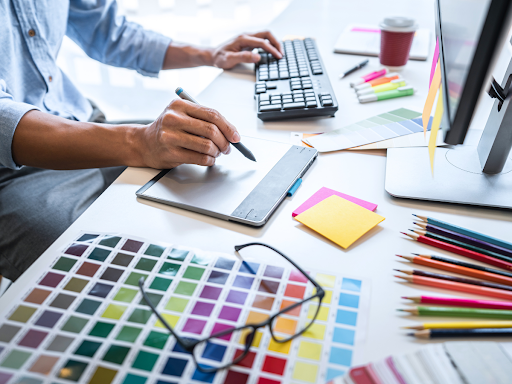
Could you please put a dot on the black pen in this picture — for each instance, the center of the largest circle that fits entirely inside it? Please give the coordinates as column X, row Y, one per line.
column 242, row 148
column 358, row 66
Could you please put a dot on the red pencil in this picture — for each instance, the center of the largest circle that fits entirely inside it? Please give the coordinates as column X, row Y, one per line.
column 456, row 302
column 460, row 251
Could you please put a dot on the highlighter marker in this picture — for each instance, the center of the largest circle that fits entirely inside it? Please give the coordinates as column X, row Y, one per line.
column 369, row 77
column 399, row 92
column 393, row 84
column 379, row 81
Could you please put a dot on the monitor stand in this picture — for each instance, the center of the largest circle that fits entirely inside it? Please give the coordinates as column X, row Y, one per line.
column 475, row 175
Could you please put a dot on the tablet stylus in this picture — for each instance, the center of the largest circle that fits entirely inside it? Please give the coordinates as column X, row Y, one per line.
column 242, row 148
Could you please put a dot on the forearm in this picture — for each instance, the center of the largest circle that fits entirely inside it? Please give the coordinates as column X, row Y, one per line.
column 180, row 55
column 46, row 141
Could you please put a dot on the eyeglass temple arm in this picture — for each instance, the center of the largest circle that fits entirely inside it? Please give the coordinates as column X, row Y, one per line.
column 184, row 343
column 318, row 287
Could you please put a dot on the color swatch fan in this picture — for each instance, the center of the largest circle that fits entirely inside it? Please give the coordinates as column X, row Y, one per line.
column 84, row 320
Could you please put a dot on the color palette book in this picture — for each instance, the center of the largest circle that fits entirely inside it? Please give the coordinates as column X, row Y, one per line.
column 393, row 124
column 84, row 319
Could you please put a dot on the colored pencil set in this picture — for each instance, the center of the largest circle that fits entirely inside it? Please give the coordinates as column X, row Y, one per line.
column 476, row 279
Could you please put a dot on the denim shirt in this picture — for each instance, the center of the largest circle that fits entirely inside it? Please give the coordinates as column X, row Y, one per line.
column 31, row 33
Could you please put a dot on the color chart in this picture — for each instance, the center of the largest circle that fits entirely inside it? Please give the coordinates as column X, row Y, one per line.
column 385, row 126
column 84, row 319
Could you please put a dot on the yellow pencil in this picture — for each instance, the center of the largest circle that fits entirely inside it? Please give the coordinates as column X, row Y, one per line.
column 463, row 325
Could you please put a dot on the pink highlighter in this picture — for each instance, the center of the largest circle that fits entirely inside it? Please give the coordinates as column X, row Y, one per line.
column 369, row 77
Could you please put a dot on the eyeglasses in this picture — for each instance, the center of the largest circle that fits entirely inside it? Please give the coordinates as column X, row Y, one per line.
column 212, row 348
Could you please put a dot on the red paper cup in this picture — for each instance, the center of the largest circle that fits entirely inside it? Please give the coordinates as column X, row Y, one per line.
column 397, row 34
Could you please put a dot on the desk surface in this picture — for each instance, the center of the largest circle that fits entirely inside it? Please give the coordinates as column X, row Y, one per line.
column 359, row 174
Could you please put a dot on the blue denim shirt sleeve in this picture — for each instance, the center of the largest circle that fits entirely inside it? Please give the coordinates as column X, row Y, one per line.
column 11, row 113
column 111, row 39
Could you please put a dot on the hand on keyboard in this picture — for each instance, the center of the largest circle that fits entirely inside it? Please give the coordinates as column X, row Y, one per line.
column 238, row 50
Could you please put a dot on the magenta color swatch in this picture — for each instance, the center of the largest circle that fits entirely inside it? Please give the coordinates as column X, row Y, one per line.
column 33, row 338
column 323, row 193
column 194, row 326
column 273, row 271
column 210, row 292
column 51, row 279
column 243, row 282
column 203, row 309
column 132, row 246
column 230, row 313
column 219, row 327
column 298, row 276
column 76, row 249
column 48, row 319
column 4, row 377
column 237, row 297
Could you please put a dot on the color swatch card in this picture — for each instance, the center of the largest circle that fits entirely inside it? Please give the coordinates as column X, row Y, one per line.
column 340, row 220
column 84, row 320
column 323, row 193
column 385, row 126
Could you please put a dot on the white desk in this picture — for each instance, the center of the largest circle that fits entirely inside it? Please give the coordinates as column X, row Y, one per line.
column 359, row 174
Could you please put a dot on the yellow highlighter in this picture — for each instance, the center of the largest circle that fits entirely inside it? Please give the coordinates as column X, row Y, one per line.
column 392, row 85
column 463, row 325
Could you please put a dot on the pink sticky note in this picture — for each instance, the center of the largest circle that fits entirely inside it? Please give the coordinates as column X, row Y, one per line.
column 434, row 61
column 323, row 193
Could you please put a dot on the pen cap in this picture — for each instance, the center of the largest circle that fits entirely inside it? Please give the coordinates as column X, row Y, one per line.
column 396, row 38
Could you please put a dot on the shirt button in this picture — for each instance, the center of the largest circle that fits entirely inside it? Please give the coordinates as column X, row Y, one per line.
column 31, row 33
column 50, row 79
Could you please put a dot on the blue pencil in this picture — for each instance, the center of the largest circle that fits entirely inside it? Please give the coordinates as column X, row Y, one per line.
column 467, row 232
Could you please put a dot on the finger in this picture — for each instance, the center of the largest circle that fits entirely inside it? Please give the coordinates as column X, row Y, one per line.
column 199, row 145
column 246, row 41
column 213, row 141
column 233, row 58
column 187, row 156
column 212, row 116
column 270, row 37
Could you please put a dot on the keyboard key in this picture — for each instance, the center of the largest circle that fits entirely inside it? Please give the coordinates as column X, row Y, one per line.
column 298, row 99
column 265, row 97
column 304, row 73
column 287, row 101
column 260, row 90
column 311, row 104
column 327, row 103
column 287, row 95
column 307, row 86
column 296, row 87
column 297, row 91
column 268, row 108
column 317, row 72
column 309, row 98
column 263, row 77
column 271, row 85
column 284, row 75
column 294, row 105
column 263, row 102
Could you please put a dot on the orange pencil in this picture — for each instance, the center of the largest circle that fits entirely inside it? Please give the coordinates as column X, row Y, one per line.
column 461, row 287
column 458, row 269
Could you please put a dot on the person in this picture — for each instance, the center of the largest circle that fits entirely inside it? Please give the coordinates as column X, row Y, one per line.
column 56, row 155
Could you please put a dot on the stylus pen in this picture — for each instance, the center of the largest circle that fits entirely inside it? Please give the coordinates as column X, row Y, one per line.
column 242, row 148
column 351, row 70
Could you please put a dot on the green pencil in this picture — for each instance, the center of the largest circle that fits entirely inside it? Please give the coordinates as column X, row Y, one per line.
column 460, row 312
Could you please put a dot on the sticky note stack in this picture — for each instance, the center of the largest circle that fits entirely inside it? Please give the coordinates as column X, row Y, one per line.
column 341, row 218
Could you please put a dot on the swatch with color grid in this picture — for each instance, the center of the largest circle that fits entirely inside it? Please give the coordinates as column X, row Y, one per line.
column 84, row 319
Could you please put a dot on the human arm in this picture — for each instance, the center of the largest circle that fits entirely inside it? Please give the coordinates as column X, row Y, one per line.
column 235, row 51
column 183, row 133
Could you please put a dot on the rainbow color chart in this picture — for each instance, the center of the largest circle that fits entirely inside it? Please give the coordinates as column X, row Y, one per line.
column 84, row 319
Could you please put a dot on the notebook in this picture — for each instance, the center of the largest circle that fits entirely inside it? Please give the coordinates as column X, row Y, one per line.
column 361, row 39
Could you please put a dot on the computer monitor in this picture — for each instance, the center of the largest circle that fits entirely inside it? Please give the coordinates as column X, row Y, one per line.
column 471, row 35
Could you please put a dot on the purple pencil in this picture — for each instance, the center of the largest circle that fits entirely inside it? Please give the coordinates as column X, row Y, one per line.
column 465, row 239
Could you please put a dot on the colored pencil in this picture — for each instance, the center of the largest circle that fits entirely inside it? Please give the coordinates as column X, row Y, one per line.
column 462, row 325
column 463, row 238
column 462, row 245
column 461, row 287
column 460, row 251
column 467, row 232
column 465, row 264
column 460, row 312
column 442, row 333
column 457, row 302
column 458, row 269
column 418, row 272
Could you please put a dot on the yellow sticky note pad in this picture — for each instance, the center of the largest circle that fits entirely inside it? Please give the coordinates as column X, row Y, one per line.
column 340, row 220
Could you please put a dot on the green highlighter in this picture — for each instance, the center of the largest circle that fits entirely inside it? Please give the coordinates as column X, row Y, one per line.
column 391, row 86
column 399, row 92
